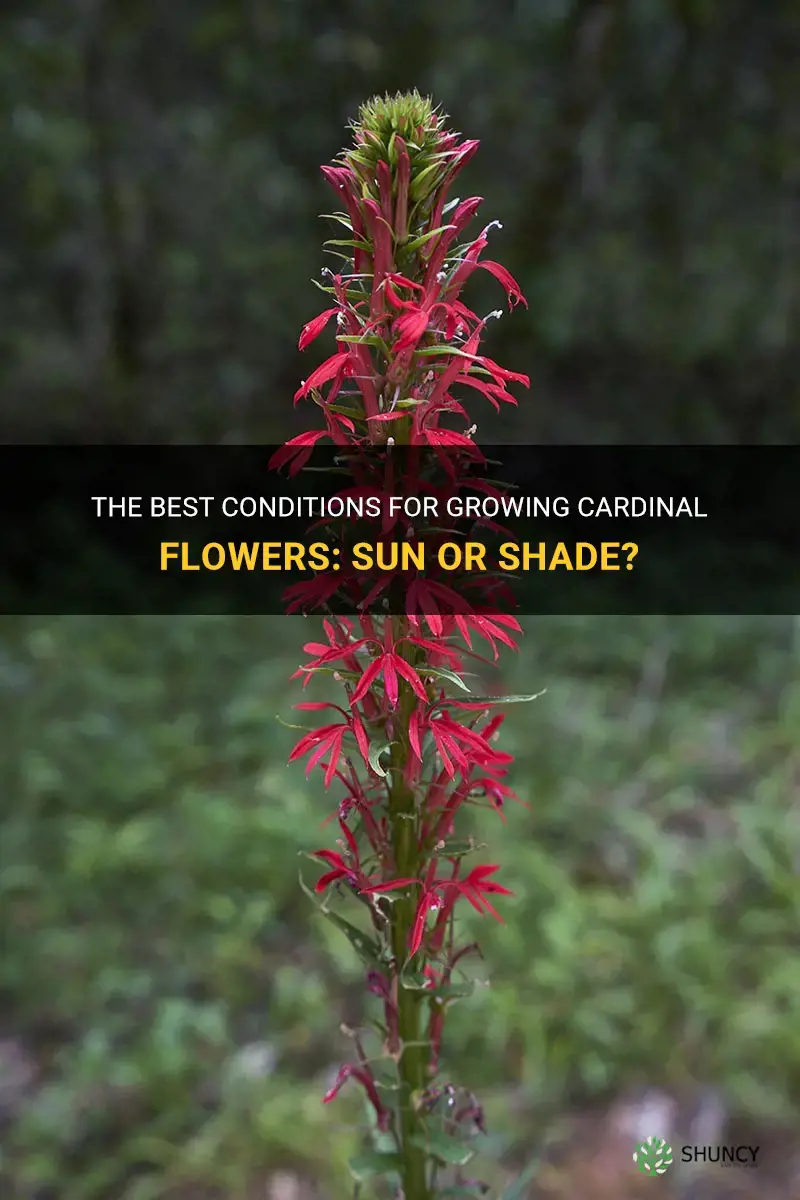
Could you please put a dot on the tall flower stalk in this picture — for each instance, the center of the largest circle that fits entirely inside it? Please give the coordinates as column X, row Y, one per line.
column 408, row 747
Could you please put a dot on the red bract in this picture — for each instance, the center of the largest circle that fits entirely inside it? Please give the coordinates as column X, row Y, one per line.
column 410, row 748
column 367, row 1081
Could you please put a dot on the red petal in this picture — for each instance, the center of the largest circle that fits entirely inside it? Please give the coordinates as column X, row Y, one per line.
column 336, row 749
column 324, row 372
column 388, row 887
column 367, row 679
column 294, row 449
column 326, row 880
column 446, row 437
column 391, row 665
column 351, row 841
column 414, row 730
column 418, row 928
column 330, row 856
column 508, row 281
column 361, row 737
column 314, row 328
column 411, row 677
column 411, row 327
column 310, row 740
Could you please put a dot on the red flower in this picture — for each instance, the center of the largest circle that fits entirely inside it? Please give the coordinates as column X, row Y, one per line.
column 465, row 746
column 473, row 888
column 390, row 665
column 329, row 740
column 367, row 1081
column 340, row 870
column 476, row 886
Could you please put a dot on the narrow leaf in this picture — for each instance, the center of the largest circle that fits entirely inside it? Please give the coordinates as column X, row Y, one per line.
column 426, row 237
column 363, row 339
column 444, row 673
column 340, row 217
column 457, row 848
column 446, row 1149
column 455, row 991
column 372, row 1164
column 414, row 981
column 429, row 351
column 488, row 701
column 357, row 242
column 375, row 754
column 367, row 949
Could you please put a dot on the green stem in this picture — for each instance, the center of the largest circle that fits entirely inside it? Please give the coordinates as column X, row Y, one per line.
column 412, row 1067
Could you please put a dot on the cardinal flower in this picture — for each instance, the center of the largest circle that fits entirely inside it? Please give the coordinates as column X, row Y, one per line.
column 403, row 752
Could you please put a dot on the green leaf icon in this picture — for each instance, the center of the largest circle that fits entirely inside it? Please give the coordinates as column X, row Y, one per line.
column 653, row 1156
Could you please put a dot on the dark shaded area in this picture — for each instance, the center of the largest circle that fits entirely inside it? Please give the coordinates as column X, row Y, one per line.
column 162, row 189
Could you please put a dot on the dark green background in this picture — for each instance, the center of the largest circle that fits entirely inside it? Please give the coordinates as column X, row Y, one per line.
column 160, row 191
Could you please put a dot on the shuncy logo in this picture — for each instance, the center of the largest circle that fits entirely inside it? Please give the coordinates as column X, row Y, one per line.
column 653, row 1156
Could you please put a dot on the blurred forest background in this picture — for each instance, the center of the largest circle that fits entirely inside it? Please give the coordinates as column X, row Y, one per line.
column 169, row 1005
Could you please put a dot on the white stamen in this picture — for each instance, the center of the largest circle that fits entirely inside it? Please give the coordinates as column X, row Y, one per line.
column 390, row 441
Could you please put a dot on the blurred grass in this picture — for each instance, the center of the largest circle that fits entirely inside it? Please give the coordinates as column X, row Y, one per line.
column 180, row 1001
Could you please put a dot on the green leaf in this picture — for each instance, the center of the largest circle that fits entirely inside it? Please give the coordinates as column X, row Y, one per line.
column 372, row 1164
column 340, row 217
column 446, row 1149
column 368, row 950
column 425, row 182
column 426, row 237
column 444, row 673
column 358, row 243
column 413, row 981
column 365, row 947
column 375, row 754
column 362, row 339
column 353, row 413
column 361, row 159
column 455, row 991
column 494, row 700
column 429, row 351
column 457, row 848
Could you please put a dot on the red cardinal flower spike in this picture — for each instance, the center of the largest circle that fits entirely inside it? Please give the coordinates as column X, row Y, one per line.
column 407, row 748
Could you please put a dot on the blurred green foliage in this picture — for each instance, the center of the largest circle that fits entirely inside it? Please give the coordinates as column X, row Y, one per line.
column 168, row 1000
column 162, row 189
column 181, row 1000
